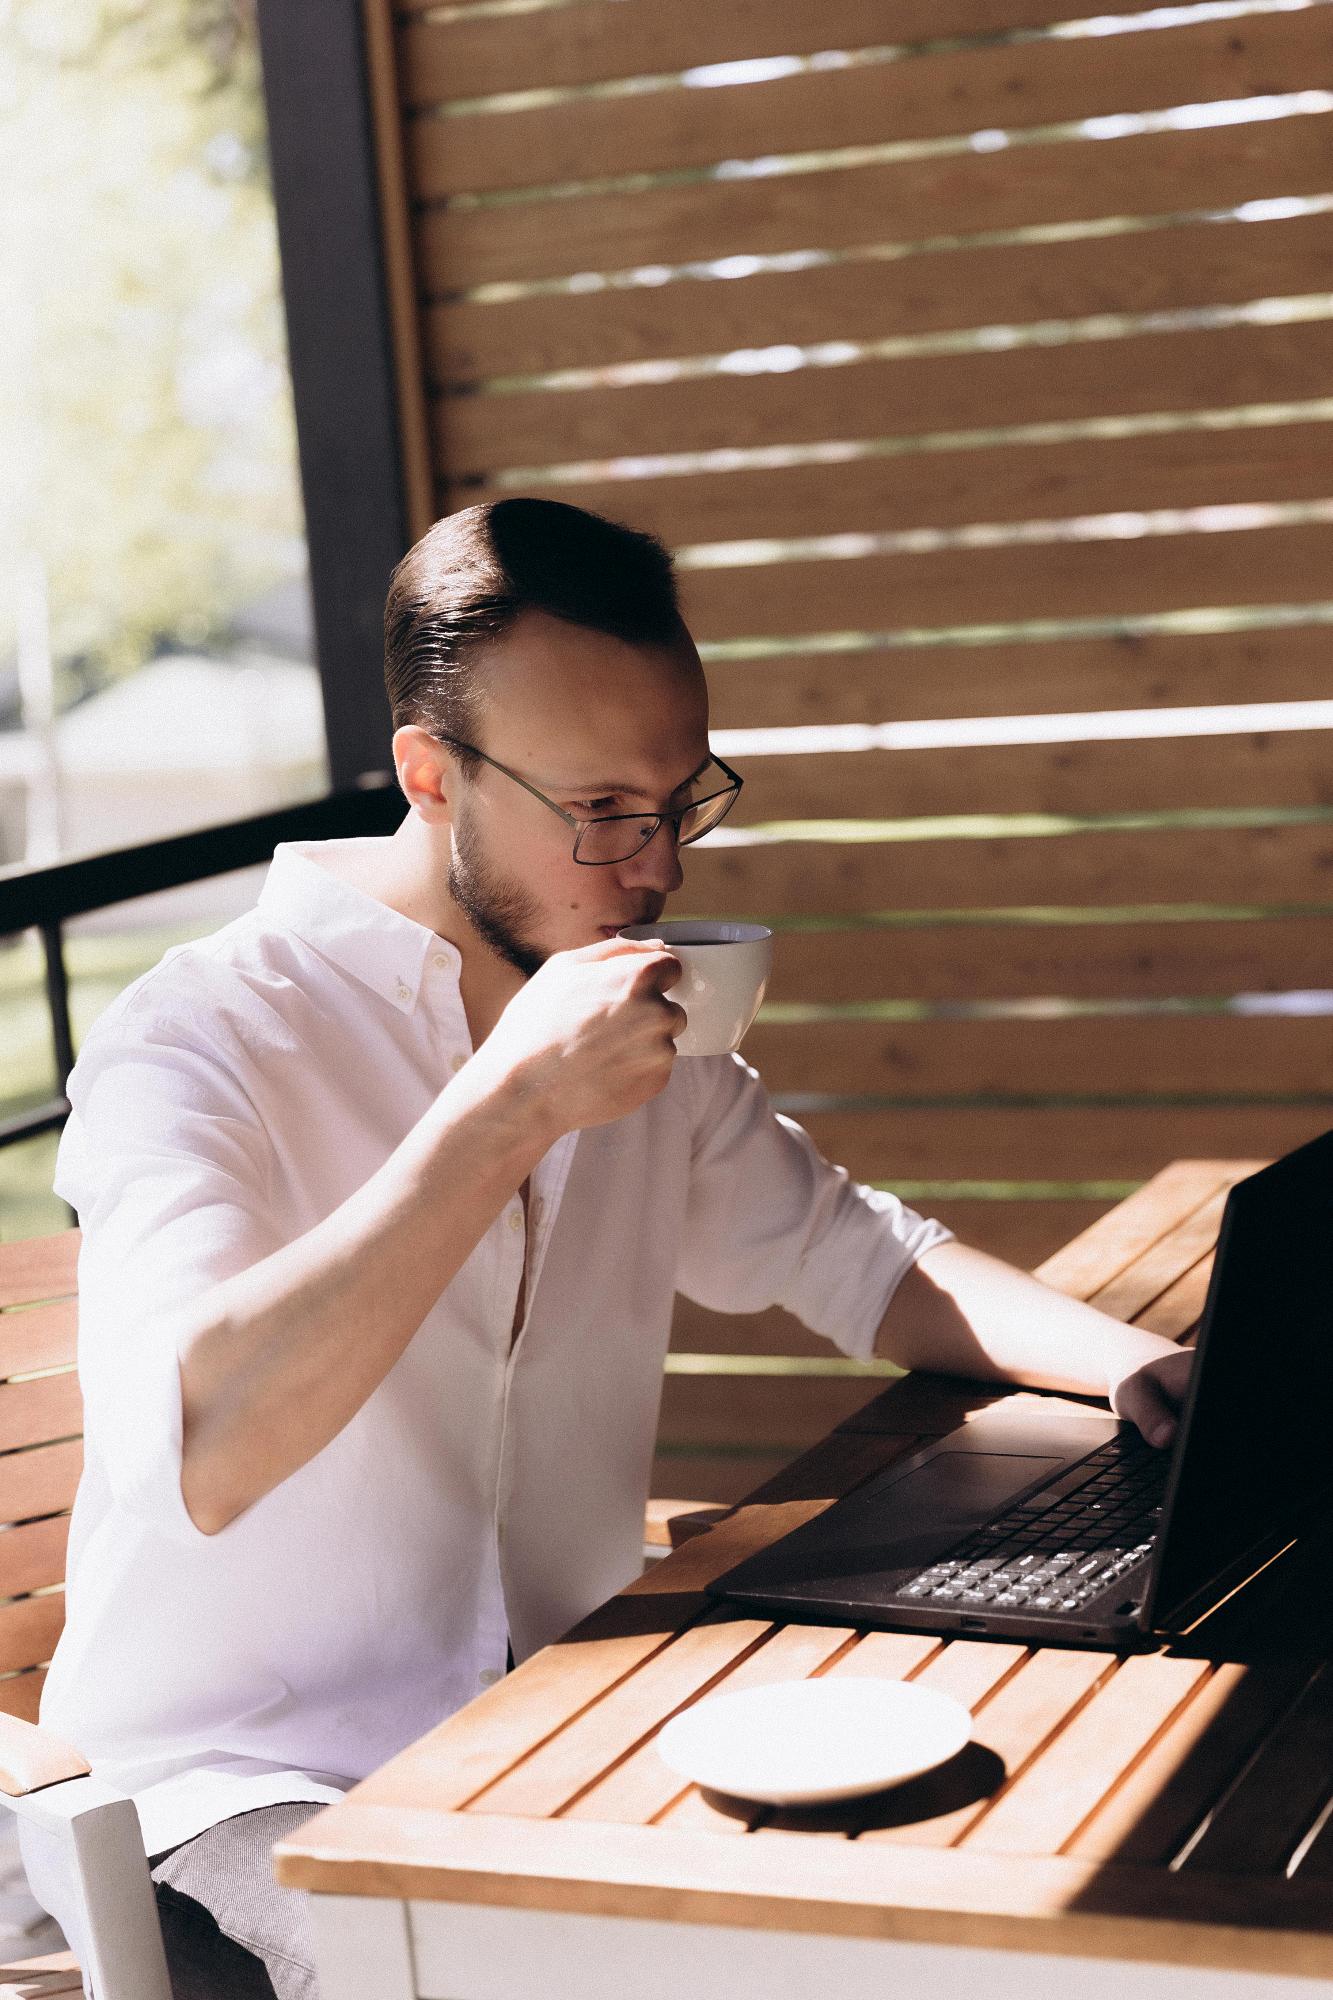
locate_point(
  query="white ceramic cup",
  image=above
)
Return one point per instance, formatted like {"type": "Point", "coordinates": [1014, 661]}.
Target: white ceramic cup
{"type": "Point", "coordinates": [724, 971]}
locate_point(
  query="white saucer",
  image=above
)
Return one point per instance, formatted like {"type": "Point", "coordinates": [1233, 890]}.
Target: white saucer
{"type": "Point", "coordinates": [811, 1742]}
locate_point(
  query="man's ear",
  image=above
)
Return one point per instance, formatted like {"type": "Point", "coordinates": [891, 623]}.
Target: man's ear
{"type": "Point", "coordinates": [427, 773]}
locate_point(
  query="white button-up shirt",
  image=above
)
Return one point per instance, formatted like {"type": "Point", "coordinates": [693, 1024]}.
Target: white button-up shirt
{"type": "Point", "coordinates": [490, 1487]}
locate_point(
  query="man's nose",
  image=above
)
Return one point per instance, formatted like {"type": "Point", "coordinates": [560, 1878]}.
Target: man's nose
{"type": "Point", "coordinates": [656, 865]}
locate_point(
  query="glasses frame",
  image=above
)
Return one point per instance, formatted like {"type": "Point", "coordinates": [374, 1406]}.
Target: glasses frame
{"type": "Point", "coordinates": [581, 826]}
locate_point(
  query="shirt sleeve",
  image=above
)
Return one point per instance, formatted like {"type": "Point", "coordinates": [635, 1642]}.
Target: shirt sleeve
{"type": "Point", "coordinates": [165, 1160]}
{"type": "Point", "coordinates": [770, 1222]}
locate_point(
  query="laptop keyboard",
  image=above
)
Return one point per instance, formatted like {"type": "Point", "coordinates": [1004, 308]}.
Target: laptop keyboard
{"type": "Point", "coordinates": [1064, 1544]}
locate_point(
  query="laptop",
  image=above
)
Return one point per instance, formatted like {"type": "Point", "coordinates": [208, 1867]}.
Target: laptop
{"type": "Point", "coordinates": [1072, 1530]}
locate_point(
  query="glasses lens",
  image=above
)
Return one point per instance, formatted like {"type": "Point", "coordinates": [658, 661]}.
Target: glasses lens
{"type": "Point", "coordinates": [701, 819]}
{"type": "Point", "coordinates": [602, 841]}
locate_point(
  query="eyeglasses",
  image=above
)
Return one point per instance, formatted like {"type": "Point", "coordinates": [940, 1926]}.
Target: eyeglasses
{"type": "Point", "coordinates": [609, 837]}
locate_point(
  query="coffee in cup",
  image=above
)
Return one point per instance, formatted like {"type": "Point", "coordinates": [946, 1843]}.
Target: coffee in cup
{"type": "Point", "coordinates": [724, 971]}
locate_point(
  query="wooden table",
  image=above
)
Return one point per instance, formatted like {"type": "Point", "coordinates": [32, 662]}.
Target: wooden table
{"type": "Point", "coordinates": [1152, 1825]}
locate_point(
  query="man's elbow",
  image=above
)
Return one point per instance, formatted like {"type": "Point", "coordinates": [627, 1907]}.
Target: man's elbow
{"type": "Point", "coordinates": [210, 1508]}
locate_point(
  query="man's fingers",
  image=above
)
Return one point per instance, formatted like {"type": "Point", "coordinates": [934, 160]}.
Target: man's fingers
{"type": "Point", "coordinates": [676, 1025]}
{"type": "Point", "coordinates": [661, 971]}
{"type": "Point", "coordinates": [1142, 1403]}
{"type": "Point", "coordinates": [617, 947]}
{"type": "Point", "coordinates": [1151, 1396]}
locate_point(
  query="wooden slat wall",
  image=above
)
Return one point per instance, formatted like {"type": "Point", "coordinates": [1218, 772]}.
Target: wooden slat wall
{"type": "Point", "coordinates": [987, 300]}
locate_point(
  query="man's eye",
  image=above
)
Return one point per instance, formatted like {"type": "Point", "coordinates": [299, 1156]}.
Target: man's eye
{"type": "Point", "coordinates": [592, 807]}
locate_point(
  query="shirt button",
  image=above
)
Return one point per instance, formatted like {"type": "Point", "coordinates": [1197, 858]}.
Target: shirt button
{"type": "Point", "coordinates": [456, 1063]}
{"type": "Point", "coordinates": [515, 1218]}
{"type": "Point", "coordinates": [404, 990]}
{"type": "Point", "coordinates": [440, 960]}
{"type": "Point", "coordinates": [488, 1676]}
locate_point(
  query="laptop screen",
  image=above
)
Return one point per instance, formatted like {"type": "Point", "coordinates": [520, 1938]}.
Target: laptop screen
{"type": "Point", "coordinates": [1254, 1456]}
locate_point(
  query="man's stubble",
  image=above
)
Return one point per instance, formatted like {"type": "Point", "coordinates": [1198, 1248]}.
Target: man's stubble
{"type": "Point", "coordinates": [502, 915]}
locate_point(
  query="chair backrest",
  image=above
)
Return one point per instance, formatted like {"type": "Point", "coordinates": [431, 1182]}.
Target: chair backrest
{"type": "Point", "coordinates": [41, 1455]}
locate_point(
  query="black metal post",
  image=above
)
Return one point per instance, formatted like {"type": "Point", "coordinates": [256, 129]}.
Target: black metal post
{"type": "Point", "coordinates": [322, 155]}
{"type": "Point", "coordinates": [57, 1000]}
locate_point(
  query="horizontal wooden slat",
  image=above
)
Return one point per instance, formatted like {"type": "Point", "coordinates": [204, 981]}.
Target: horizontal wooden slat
{"type": "Point", "coordinates": [1034, 83]}
{"type": "Point", "coordinates": [1133, 1055]}
{"type": "Point", "coordinates": [908, 396]}
{"type": "Point", "coordinates": [940, 489]}
{"type": "Point", "coordinates": [983, 586]}
{"type": "Point", "coordinates": [1077, 961]}
{"type": "Point", "coordinates": [29, 1630]}
{"type": "Point", "coordinates": [1160, 270]}
{"type": "Point", "coordinates": [786, 1413]}
{"type": "Point", "coordinates": [41, 1267]}
{"type": "Point", "coordinates": [1115, 1144]}
{"type": "Point", "coordinates": [903, 200]}
{"type": "Point", "coordinates": [33, 1556]}
{"type": "Point", "coordinates": [1161, 774]}
{"type": "Point", "coordinates": [38, 1337]}
{"type": "Point", "coordinates": [49, 1977]}
{"type": "Point", "coordinates": [1244, 866]}
{"type": "Point", "coordinates": [38, 1411]}
{"type": "Point", "coordinates": [38, 1482]}
{"type": "Point", "coordinates": [22, 1695]}
{"type": "Point", "coordinates": [1088, 961]}
{"type": "Point", "coordinates": [471, 57]}
{"type": "Point", "coordinates": [53, 1975]}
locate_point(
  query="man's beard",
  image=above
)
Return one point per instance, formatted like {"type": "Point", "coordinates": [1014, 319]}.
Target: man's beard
{"type": "Point", "coordinates": [498, 912]}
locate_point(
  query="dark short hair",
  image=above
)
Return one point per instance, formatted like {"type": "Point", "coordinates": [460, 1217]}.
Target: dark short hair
{"type": "Point", "coordinates": [475, 573]}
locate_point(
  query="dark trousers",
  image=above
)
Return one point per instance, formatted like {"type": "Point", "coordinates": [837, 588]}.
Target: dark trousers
{"type": "Point", "coordinates": [230, 1931]}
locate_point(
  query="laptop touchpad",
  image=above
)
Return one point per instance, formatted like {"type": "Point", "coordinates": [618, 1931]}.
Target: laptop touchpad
{"type": "Point", "coordinates": [900, 1525]}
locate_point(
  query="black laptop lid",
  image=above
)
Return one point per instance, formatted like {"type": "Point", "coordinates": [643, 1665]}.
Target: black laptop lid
{"type": "Point", "coordinates": [1255, 1460]}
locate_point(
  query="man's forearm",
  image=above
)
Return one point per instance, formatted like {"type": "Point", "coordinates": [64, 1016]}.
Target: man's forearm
{"type": "Point", "coordinates": [962, 1312]}
{"type": "Point", "coordinates": [279, 1358]}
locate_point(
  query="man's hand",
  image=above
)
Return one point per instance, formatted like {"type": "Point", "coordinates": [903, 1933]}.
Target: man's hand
{"type": "Point", "coordinates": [591, 1036]}
{"type": "Point", "coordinates": [1152, 1394]}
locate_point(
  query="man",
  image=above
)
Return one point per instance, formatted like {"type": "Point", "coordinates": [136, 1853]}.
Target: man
{"type": "Point", "coordinates": [386, 1191]}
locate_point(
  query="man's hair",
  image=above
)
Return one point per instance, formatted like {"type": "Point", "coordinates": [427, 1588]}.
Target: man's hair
{"type": "Point", "coordinates": [475, 573]}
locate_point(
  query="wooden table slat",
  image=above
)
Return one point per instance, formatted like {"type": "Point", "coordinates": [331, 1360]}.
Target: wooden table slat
{"type": "Point", "coordinates": [1012, 1728]}
{"type": "Point", "coordinates": [1086, 1761]}
{"type": "Point", "coordinates": [1166, 1261]}
{"type": "Point", "coordinates": [1152, 1813]}
{"type": "Point", "coordinates": [571, 1762]}
{"type": "Point", "coordinates": [1177, 1311]}
{"type": "Point", "coordinates": [1278, 1796]}
{"type": "Point", "coordinates": [642, 1787]}
{"type": "Point", "coordinates": [1125, 1232]}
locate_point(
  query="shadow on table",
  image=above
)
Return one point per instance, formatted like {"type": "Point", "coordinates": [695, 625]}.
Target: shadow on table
{"type": "Point", "coordinates": [973, 1775]}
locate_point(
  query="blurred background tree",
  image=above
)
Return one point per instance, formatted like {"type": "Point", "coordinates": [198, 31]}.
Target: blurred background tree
{"type": "Point", "coordinates": [147, 455]}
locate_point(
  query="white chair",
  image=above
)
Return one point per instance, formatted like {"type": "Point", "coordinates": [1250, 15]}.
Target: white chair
{"type": "Point", "coordinates": [71, 1821]}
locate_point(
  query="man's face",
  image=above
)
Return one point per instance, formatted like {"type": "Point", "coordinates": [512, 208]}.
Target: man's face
{"type": "Point", "coordinates": [600, 727]}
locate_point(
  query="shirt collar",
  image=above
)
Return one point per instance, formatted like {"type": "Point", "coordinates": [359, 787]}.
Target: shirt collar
{"type": "Point", "coordinates": [383, 949]}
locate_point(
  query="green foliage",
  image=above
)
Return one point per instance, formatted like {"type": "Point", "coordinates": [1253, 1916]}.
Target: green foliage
{"type": "Point", "coordinates": [147, 457]}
